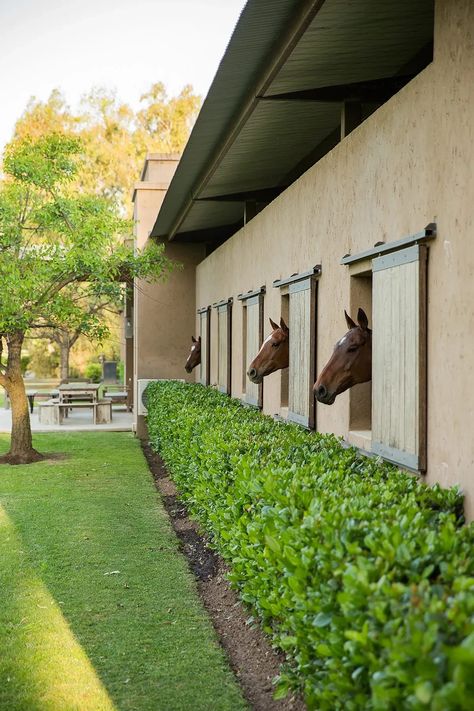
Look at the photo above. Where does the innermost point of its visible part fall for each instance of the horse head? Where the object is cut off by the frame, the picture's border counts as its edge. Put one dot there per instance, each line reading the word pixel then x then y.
pixel 273 354
pixel 194 357
pixel 350 363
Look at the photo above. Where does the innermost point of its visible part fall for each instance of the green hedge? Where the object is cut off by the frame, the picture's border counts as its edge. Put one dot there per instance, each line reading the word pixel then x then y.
pixel 363 575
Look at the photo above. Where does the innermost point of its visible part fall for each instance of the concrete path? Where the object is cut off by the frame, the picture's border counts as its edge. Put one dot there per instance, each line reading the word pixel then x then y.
pixel 77 421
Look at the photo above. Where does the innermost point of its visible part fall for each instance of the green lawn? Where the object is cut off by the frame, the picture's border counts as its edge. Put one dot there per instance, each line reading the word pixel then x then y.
pixel 98 610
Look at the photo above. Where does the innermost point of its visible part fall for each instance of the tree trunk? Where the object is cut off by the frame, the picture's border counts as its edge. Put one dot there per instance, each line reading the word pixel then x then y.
pixel 21 445
pixel 64 358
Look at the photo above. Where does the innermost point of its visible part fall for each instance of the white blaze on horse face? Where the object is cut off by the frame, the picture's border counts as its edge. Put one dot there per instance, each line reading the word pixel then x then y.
pixel 342 341
pixel 193 348
pixel 269 338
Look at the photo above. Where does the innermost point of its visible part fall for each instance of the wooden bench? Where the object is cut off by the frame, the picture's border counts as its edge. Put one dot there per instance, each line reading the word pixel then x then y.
pixel 54 412
pixel 119 396
pixel 103 412
pixel 49 413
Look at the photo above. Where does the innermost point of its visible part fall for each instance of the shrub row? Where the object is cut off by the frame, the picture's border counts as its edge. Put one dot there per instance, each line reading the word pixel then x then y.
pixel 362 574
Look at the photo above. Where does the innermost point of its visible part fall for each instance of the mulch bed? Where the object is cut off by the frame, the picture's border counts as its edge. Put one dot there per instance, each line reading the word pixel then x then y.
pixel 251 656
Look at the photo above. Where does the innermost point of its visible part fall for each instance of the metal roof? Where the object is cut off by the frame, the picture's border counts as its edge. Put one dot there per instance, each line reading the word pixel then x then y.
pixel 254 135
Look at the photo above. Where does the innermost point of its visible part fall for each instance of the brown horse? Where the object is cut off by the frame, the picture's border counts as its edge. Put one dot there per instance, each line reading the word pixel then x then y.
pixel 273 355
pixel 194 357
pixel 351 362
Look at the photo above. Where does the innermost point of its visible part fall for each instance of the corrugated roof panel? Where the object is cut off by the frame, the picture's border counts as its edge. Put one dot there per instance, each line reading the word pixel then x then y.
pixel 352 41
pixel 277 136
pixel 208 215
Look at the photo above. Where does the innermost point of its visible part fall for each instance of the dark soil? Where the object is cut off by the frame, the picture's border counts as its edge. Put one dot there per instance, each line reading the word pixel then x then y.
pixel 29 457
pixel 37 457
pixel 248 649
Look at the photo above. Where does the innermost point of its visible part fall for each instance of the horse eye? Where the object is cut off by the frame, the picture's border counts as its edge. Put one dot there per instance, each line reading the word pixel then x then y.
pixel 275 345
pixel 352 349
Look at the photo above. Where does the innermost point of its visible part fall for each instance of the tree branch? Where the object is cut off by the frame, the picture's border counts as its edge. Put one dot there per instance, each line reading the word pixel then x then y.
pixel 56 286
pixel 63 213
pixel 74 338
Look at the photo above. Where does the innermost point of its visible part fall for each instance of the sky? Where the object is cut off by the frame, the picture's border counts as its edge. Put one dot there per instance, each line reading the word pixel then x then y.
pixel 74 45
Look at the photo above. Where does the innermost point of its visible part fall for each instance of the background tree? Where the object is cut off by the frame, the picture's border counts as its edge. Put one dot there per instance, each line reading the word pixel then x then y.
pixel 53 239
pixel 115 137
pixel 91 321
pixel 164 124
pixel 44 357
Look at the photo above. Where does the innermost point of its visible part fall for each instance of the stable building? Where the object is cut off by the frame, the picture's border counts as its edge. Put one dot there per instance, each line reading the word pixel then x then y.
pixel 330 168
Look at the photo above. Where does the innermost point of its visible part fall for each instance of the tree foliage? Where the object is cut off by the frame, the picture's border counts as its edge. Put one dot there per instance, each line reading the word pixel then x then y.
pixel 52 238
pixel 115 137
pixel 59 248
pixel 92 317
pixel 362 574
pixel 114 140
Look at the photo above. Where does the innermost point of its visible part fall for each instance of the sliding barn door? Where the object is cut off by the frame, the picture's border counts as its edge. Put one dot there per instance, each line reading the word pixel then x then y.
pixel 224 336
pixel 302 318
pixel 399 357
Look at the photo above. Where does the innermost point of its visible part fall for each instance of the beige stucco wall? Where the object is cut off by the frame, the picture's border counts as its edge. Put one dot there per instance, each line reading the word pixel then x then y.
pixel 409 164
pixel 159 168
pixel 163 310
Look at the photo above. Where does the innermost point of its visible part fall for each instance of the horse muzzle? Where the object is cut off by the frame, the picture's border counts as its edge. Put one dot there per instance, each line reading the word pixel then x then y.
pixel 254 376
pixel 322 395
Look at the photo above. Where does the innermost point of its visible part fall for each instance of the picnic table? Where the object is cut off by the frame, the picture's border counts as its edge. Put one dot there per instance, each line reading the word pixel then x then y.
pixel 31 395
pixel 74 396
pixel 79 391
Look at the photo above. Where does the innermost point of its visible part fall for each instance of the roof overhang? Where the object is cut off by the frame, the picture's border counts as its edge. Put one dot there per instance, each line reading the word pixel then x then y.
pixel 274 107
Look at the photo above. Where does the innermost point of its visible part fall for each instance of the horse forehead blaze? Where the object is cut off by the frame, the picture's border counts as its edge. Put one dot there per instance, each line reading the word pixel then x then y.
pixel 272 355
pixel 354 337
pixel 194 357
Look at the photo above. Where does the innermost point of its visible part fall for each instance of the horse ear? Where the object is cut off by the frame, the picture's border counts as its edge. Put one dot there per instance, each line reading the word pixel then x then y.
pixel 199 339
pixel 362 319
pixel 193 339
pixel 273 324
pixel 349 321
pixel 284 327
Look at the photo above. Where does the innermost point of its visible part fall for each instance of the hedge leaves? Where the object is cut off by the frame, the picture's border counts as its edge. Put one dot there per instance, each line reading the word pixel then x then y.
pixel 363 575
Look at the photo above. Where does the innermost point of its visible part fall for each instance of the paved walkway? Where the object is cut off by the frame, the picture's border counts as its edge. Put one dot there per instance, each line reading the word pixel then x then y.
pixel 77 421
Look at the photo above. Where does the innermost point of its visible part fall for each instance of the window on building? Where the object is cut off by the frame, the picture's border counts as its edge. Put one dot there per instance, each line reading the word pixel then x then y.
pixel 205 334
pixel 224 350
pixel 399 314
pixel 252 337
pixel 300 294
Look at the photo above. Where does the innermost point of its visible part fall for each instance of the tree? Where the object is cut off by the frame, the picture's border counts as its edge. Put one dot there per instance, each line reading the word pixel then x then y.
pixel 115 137
pixel 165 124
pixel 53 241
pixel 90 321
